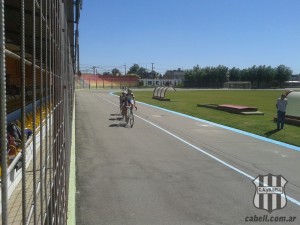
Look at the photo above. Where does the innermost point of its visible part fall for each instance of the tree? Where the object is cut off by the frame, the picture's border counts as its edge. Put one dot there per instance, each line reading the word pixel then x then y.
pixel 106 73
pixel 234 74
pixel 206 76
pixel 189 78
pixel 134 69
pixel 269 75
pixel 253 74
pixel 245 75
pixel 193 77
pixel 116 72
pixel 221 72
pixel 142 72
pixel 282 74
pixel 260 75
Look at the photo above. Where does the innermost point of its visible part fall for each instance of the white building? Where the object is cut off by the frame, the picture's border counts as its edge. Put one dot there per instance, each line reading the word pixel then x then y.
pixel 175 74
pixel 171 78
pixel 161 82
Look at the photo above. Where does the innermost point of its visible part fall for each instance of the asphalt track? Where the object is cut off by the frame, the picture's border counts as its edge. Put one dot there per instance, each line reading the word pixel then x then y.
pixel 170 169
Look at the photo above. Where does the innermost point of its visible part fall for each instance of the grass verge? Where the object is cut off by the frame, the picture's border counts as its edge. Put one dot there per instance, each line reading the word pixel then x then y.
pixel 186 102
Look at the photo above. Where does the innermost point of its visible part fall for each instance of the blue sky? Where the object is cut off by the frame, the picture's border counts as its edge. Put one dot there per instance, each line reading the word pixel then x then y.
pixel 183 33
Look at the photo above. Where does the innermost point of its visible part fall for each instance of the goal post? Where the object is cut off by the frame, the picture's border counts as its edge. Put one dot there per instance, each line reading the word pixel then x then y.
pixel 238 85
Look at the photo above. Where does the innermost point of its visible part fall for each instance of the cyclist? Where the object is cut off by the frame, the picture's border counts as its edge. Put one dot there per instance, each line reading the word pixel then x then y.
pixel 123 103
pixel 130 98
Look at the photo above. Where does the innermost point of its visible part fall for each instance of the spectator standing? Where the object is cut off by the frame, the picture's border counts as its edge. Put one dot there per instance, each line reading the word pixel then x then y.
pixel 281 109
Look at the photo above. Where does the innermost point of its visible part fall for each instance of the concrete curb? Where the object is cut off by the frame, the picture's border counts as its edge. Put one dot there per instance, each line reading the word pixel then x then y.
pixel 71 216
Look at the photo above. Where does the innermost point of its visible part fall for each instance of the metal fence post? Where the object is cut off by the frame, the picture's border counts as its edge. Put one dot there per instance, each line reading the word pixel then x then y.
pixel 3 118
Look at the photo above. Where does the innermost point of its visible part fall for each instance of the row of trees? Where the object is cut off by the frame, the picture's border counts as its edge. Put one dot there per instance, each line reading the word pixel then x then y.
pixel 143 72
pixel 260 76
pixel 136 70
pixel 214 77
pixel 114 72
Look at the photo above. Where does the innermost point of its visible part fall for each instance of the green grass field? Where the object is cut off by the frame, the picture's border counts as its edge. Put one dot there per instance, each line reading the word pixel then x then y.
pixel 265 100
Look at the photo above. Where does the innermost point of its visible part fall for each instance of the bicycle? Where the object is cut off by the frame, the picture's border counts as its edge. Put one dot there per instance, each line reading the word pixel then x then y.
pixel 129 117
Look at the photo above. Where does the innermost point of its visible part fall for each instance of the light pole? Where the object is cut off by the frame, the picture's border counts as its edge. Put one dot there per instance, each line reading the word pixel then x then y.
pixel 152 70
pixel 94 69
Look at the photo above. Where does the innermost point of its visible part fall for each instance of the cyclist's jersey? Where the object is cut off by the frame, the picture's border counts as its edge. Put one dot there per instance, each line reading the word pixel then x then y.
pixel 130 97
pixel 122 99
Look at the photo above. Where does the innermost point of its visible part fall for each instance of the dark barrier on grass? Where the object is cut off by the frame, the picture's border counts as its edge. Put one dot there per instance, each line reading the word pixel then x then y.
pixel 159 93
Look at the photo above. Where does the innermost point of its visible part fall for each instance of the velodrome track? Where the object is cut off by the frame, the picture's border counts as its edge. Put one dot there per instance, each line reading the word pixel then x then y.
pixel 170 169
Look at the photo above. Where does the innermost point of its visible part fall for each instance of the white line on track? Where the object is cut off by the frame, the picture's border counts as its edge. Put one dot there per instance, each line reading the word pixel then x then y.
pixel 202 151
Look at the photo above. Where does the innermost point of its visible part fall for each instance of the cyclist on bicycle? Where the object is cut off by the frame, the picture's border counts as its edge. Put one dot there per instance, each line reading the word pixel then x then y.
pixel 130 98
pixel 122 98
pixel 123 103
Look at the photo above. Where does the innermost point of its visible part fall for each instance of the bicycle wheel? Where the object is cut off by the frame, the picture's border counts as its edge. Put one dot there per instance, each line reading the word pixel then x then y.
pixel 131 119
pixel 127 115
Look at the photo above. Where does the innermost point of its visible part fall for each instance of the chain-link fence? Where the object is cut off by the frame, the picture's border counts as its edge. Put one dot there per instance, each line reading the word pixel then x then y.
pixel 38 61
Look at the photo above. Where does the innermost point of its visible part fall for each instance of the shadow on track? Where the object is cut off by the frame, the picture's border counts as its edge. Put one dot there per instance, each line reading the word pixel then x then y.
pixel 118 125
pixel 117 117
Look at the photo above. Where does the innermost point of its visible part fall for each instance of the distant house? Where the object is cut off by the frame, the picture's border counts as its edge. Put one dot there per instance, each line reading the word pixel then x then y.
pixel 295 77
pixel 171 78
pixel 175 74
pixel 294 81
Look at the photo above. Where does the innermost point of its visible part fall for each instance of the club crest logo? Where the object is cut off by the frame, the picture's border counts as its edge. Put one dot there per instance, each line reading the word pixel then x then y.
pixel 269 192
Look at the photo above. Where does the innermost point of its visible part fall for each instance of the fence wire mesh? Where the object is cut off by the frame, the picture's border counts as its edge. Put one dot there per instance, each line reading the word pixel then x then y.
pixel 38 62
